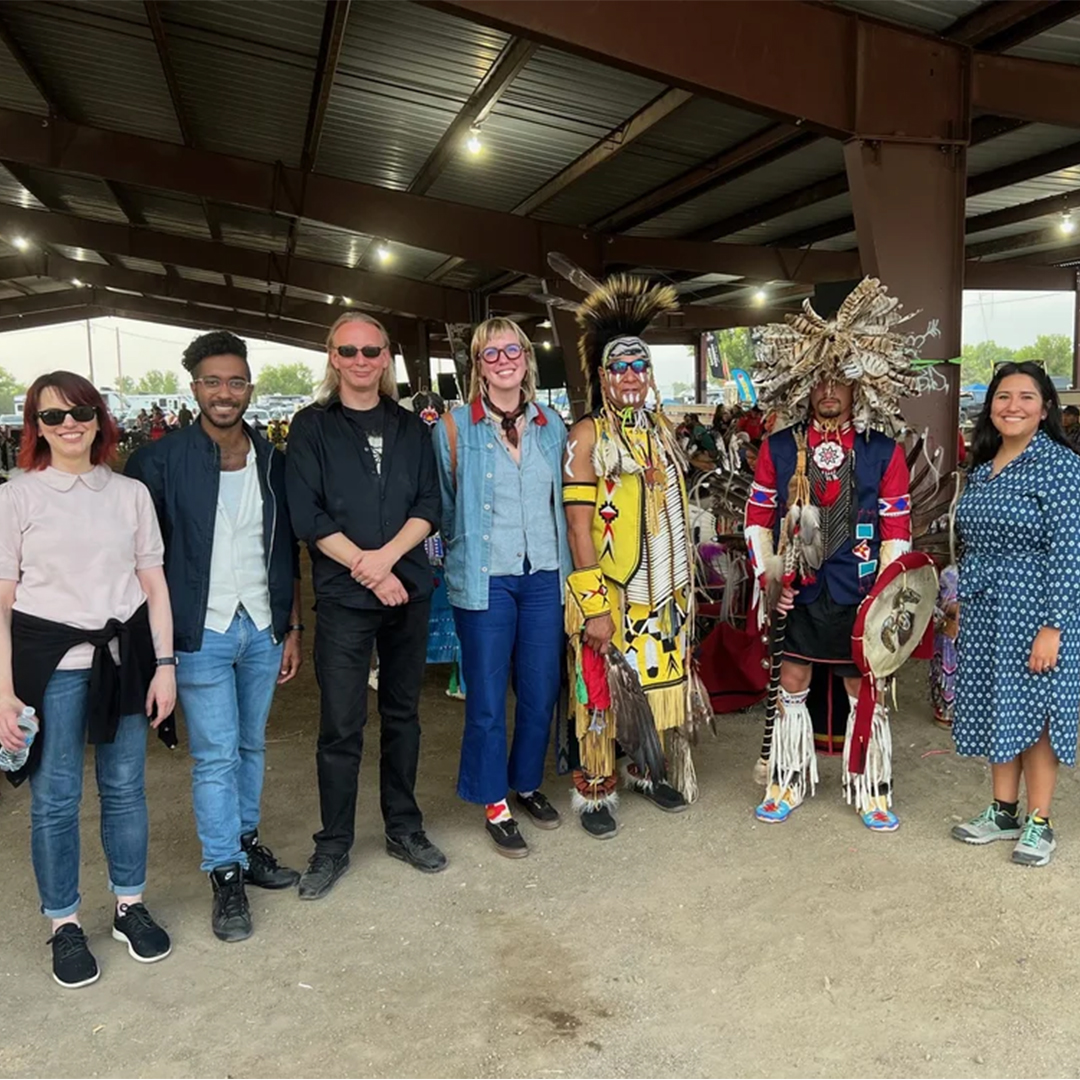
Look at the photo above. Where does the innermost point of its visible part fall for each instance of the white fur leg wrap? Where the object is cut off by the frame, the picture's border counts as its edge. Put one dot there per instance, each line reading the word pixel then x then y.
pixel 581 805
pixel 861 789
pixel 792 761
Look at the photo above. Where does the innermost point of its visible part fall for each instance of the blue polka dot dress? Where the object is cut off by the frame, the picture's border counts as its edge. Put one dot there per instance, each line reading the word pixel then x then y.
pixel 1020 572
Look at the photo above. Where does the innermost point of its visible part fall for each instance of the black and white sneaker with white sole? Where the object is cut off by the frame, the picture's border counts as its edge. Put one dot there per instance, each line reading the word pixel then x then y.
pixel 73 962
pixel 146 941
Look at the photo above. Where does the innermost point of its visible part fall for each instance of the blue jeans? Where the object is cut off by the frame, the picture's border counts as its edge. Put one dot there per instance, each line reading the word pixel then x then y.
pixel 225 690
pixel 56 792
pixel 522 631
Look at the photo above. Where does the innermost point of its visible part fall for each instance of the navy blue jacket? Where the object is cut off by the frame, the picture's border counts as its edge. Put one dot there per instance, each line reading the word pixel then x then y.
pixel 183 473
pixel 850 574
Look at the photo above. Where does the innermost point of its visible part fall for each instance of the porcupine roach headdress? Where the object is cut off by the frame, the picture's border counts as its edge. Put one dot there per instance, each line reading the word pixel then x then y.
pixel 623 306
pixel 859 345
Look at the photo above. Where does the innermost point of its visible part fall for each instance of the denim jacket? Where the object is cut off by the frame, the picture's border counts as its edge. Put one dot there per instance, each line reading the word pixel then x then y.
pixel 467 498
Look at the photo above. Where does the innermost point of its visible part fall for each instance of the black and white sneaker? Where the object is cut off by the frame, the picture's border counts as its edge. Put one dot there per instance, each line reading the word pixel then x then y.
pixel 73 963
pixel 506 838
pixel 542 813
pixel 146 941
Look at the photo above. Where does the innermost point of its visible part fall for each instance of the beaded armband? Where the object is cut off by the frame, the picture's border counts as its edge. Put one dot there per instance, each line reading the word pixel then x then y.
pixel 589 592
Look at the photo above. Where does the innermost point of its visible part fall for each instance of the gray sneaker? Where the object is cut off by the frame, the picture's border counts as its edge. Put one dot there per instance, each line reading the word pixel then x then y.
pixel 1036 843
pixel 992 824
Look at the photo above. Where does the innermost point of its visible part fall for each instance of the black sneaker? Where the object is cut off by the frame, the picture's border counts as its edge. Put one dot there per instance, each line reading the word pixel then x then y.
pixel 543 814
pixel 417 850
pixel 231 917
pixel 600 823
pixel 263 869
pixel 662 795
pixel 508 841
pixel 73 964
pixel 146 941
pixel 323 870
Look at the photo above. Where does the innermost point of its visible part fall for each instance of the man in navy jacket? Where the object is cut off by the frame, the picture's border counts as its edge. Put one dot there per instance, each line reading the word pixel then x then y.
pixel 231 564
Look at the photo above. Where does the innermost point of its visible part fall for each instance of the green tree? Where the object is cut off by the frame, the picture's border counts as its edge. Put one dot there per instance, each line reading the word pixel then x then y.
pixel 1056 350
pixel 294 380
pixel 736 348
pixel 9 387
pixel 125 384
pixel 977 362
pixel 159 382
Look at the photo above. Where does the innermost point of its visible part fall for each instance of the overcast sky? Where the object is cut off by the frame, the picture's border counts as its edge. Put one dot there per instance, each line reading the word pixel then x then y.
pixel 1010 318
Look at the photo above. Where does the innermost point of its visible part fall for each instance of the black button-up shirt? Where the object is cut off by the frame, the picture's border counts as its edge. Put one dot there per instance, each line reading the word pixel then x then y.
pixel 333 486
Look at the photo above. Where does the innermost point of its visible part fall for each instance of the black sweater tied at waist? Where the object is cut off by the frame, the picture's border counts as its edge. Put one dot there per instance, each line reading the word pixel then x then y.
pixel 38 646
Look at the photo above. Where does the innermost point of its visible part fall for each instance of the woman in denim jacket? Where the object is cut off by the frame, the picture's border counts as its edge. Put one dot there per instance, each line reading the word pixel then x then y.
pixel 500 469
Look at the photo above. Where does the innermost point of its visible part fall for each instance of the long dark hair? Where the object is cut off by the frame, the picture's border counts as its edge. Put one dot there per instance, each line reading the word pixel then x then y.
pixel 986 438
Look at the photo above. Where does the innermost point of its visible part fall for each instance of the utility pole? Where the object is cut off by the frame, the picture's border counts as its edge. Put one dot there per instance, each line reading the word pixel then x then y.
pixel 90 350
pixel 119 367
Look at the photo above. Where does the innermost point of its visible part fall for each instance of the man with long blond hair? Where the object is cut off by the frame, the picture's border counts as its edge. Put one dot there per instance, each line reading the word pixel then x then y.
pixel 364 494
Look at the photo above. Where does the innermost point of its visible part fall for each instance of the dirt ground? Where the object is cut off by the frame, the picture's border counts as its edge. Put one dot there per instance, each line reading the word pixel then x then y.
pixel 694 945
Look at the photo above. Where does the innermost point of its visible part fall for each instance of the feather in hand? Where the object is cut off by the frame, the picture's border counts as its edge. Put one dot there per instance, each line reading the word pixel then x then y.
pixel 634 724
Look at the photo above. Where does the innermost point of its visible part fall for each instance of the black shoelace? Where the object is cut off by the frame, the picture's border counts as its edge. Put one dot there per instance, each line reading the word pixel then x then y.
pixel 138 914
pixel 259 853
pixel 68 944
pixel 234 900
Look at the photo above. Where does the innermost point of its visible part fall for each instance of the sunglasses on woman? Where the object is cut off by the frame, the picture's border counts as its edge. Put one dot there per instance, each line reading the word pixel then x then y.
pixel 81 414
pixel 348 352
pixel 621 367
pixel 491 354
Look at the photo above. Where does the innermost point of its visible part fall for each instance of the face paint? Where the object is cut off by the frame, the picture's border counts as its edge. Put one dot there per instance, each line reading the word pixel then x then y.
pixel 626 388
pixel 570 459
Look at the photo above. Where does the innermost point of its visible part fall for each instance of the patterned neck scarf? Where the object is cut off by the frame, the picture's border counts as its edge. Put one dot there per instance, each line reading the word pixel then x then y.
pixel 509 420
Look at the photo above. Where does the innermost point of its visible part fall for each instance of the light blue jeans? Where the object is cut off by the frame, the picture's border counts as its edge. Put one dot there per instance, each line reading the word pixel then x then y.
pixel 56 792
pixel 225 690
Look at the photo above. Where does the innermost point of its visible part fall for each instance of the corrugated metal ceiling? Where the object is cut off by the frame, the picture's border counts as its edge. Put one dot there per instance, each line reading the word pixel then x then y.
pixel 404 73
pixel 233 58
pixel 699 130
pixel 934 15
pixel 790 173
pixel 100 62
pixel 1061 45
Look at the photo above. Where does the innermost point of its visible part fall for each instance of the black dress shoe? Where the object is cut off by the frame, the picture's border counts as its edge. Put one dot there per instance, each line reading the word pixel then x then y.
pixel 508 841
pixel 263 869
pixel 599 823
pixel 417 850
pixel 323 870
pixel 542 813
pixel 664 796
pixel 231 914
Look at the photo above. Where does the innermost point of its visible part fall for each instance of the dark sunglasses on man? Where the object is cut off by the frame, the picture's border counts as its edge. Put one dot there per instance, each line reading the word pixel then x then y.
pixel 348 352
pixel 81 414
pixel 620 367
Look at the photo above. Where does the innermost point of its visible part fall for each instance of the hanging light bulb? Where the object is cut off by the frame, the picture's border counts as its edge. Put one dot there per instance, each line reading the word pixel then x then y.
pixel 384 253
pixel 546 344
pixel 21 243
pixel 760 296
pixel 77 283
pixel 473 143
pixel 1067 224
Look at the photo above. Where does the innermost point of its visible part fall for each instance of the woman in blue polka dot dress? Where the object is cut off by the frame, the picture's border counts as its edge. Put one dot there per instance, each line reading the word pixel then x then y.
pixel 1018 674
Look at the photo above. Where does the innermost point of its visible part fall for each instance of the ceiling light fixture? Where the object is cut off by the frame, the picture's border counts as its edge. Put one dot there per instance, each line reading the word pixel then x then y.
pixel 384 253
pixel 546 344
pixel 545 325
pixel 760 297
pixel 21 243
pixel 77 283
pixel 1067 224
pixel 473 143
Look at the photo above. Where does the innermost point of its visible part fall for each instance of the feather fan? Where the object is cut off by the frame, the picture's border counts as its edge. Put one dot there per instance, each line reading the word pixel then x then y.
pixel 634 724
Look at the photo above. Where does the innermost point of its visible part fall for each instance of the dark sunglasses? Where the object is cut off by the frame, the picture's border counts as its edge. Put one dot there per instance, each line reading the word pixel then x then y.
pixel 638 367
pixel 347 352
pixel 1040 364
pixel 82 414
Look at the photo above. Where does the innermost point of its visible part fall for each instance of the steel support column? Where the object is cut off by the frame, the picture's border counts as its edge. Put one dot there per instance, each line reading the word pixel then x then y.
pixel 1076 334
pixel 908 200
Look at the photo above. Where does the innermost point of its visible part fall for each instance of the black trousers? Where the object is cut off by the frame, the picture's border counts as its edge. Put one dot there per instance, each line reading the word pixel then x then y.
pixel 344 638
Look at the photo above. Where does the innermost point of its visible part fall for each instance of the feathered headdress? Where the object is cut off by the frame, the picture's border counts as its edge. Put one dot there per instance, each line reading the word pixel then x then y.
pixel 858 345
pixel 621 306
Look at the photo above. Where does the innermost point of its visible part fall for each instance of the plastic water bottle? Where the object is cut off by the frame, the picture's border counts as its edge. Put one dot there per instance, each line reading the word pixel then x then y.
pixel 10 762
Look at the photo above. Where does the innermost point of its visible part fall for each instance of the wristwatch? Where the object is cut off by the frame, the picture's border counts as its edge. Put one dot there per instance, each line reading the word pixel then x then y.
pixel 299 627
pixel 167 661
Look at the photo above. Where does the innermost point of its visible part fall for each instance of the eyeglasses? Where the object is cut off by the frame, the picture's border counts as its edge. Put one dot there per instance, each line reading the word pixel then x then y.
pixel 491 354
pixel 348 352
pixel 81 414
pixel 620 367
pixel 213 382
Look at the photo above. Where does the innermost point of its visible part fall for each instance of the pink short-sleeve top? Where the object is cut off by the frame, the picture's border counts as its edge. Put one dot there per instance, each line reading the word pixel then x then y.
pixel 73 543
